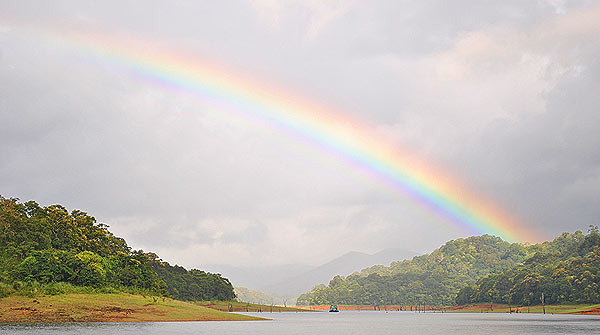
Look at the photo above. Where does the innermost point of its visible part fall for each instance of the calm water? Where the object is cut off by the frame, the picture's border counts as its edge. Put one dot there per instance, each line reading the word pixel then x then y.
pixel 345 323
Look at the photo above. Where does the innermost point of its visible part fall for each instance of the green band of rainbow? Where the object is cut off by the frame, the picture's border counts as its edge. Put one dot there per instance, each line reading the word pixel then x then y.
pixel 350 139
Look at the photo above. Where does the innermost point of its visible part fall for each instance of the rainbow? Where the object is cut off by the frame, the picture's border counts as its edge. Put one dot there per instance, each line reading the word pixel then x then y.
pixel 349 139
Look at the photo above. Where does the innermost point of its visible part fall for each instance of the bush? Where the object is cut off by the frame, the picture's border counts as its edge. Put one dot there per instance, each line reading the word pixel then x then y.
pixel 47 266
pixel 64 288
pixel 6 290
pixel 90 269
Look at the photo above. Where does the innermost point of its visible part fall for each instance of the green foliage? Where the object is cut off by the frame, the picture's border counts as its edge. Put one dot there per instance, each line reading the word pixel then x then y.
pixel 6 290
pixel 28 227
pixel 194 284
pixel 429 279
pixel 566 270
pixel 90 269
pixel 51 251
pixel 480 269
pixel 47 266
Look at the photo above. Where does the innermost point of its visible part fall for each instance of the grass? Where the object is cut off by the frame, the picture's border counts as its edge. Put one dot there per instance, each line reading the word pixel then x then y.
pixel 120 307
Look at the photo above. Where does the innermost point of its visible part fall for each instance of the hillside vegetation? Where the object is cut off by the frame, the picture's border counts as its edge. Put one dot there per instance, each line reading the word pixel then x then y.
pixel 476 269
pixel 566 270
pixel 51 250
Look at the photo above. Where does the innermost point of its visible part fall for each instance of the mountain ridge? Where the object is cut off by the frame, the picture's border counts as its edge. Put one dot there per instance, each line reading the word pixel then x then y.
pixel 292 279
pixel 477 269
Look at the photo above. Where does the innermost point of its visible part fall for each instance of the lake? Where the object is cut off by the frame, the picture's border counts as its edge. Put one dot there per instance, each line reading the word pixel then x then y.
pixel 343 323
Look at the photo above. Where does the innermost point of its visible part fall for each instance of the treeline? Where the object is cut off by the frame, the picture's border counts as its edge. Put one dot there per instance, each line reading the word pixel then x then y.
pixel 245 294
pixel 48 245
pixel 566 270
pixel 431 279
pixel 479 269
pixel 193 284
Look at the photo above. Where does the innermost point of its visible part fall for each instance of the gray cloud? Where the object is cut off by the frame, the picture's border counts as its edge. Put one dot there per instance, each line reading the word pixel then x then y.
pixel 501 94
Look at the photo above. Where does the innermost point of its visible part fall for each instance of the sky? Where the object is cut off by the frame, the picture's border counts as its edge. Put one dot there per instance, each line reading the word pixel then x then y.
pixel 502 96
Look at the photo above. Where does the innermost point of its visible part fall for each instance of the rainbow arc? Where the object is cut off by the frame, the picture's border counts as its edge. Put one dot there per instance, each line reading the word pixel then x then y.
pixel 347 138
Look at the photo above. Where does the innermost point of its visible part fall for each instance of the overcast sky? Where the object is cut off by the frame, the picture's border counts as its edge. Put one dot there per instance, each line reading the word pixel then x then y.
pixel 503 95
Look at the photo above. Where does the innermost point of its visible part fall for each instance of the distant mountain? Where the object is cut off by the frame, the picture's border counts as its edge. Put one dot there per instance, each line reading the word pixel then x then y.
pixel 244 294
pixel 258 278
pixel 292 279
pixel 343 265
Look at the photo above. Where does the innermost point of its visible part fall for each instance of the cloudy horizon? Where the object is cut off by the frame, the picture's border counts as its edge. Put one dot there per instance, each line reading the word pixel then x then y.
pixel 502 96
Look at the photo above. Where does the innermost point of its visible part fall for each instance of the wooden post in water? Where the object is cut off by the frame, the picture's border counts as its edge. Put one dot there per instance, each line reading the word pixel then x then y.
pixel 543 303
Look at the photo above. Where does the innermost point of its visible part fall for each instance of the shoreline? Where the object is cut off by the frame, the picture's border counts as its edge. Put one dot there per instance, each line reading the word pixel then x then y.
pixel 120 307
pixel 583 309
pixel 123 307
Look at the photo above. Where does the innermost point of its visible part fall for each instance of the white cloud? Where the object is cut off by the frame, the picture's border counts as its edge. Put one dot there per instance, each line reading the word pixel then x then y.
pixel 320 13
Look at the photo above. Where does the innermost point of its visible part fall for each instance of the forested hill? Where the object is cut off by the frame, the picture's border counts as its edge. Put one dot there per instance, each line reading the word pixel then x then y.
pixel 474 265
pixel 566 270
pixel 429 279
pixel 42 247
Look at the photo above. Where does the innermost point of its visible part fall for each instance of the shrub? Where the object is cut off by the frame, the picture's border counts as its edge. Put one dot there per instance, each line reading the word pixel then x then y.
pixel 6 290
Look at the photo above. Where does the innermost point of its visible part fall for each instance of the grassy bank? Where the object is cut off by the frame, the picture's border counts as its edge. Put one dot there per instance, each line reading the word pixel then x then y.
pixel 106 308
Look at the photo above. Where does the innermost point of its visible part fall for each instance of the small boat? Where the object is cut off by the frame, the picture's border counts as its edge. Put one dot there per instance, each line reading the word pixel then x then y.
pixel 333 308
